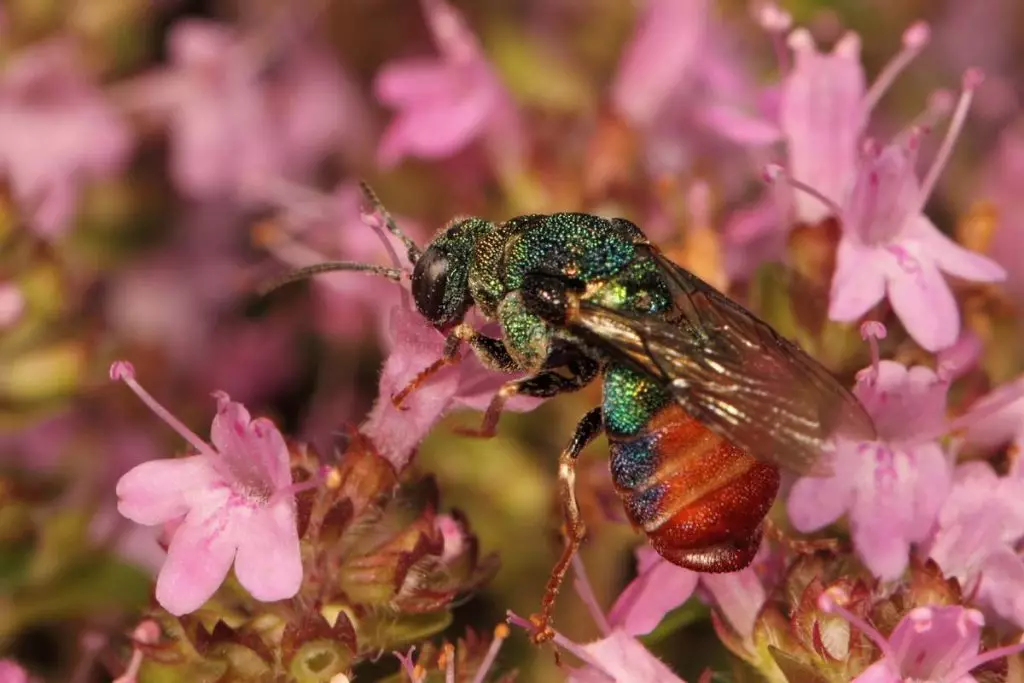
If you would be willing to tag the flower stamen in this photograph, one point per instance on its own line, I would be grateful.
(773, 173)
(971, 80)
(123, 371)
(915, 38)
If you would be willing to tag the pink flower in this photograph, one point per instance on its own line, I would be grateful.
(443, 104)
(677, 70)
(56, 133)
(660, 57)
(236, 125)
(1004, 186)
(415, 345)
(323, 227)
(937, 644)
(231, 503)
(11, 672)
(892, 488)
(12, 304)
(890, 248)
(661, 586)
(824, 110)
(617, 655)
(979, 525)
(998, 419)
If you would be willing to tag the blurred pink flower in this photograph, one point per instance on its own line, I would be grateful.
(892, 488)
(681, 75)
(938, 644)
(825, 107)
(323, 227)
(415, 345)
(57, 132)
(661, 586)
(980, 524)
(11, 672)
(890, 248)
(823, 111)
(232, 503)
(235, 123)
(146, 633)
(1003, 185)
(444, 103)
(617, 655)
(997, 420)
(12, 303)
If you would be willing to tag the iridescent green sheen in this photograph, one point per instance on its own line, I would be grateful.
(630, 400)
(526, 336)
(579, 245)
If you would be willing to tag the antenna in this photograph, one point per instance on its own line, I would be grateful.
(392, 274)
(412, 249)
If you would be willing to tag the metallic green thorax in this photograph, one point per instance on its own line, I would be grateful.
(595, 251)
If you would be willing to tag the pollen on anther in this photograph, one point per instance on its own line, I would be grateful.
(121, 370)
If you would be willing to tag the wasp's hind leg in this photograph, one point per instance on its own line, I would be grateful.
(586, 431)
(575, 373)
(490, 351)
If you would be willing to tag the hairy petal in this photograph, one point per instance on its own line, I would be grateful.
(200, 555)
(922, 300)
(858, 283)
(158, 491)
(269, 562)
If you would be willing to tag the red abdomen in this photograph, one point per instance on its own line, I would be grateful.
(700, 500)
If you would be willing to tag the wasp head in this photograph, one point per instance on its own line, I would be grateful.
(440, 278)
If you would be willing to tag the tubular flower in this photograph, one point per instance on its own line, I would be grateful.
(938, 644)
(893, 487)
(890, 248)
(443, 104)
(231, 503)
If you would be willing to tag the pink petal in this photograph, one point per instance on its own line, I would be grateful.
(740, 595)
(879, 672)
(953, 258)
(883, 552)
(1002, 576)
(858, 283)
(269, 561)
(934, 640)
(253, 450)
(416, 345)
(739, 127)
(922, 300)
(159, 491)
(933, 481)
(199, 556)
(659, 57)
(990, 428)
(12, 672)
(815, 502)
(438, 129)
(659, 588)
(822, 116)
(622, 658)
(409, 82)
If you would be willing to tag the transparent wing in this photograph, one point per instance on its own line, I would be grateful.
(732, 372)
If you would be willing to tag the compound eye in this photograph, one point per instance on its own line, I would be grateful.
(429, 282)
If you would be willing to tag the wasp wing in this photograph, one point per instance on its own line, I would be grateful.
(731, 371)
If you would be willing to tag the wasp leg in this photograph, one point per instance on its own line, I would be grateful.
(578, 372)
(490, 351)
(586, 431)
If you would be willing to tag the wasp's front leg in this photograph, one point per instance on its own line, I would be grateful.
(586, 431)
(576, 372)
(490, 351)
